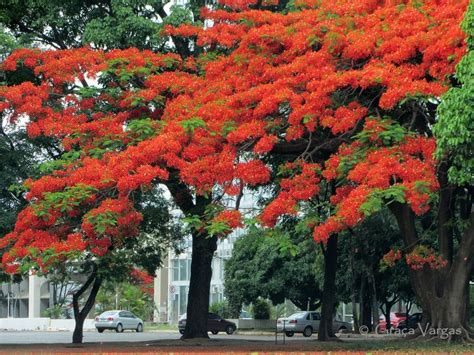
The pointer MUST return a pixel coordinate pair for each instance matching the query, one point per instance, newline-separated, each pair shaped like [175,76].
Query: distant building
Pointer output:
[27,299]
[34,295]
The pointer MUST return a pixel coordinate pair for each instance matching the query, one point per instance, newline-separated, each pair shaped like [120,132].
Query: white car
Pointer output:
[119,321]
[308,323]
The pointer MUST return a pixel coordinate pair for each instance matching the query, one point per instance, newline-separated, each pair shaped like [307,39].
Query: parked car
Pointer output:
[411,322]
[307,322]
[118,320]
[395,318]
[215,324]
[244,315]
[341,326]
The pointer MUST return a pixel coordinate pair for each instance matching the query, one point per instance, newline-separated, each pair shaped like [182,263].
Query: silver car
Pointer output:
[307,322]
[118,320]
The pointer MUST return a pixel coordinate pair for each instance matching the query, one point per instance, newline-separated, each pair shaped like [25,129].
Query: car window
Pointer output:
[297,315]
[108,313]
[213,316]
[128,314]
[308,316]
[315,316]
[122,314]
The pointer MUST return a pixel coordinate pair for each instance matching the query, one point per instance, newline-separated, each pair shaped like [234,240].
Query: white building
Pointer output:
[27,299]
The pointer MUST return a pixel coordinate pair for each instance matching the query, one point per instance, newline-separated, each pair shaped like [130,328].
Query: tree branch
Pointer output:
[76,296]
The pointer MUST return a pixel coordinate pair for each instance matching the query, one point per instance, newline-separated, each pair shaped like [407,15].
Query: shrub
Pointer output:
[55,312]
[221,308]
[261,309]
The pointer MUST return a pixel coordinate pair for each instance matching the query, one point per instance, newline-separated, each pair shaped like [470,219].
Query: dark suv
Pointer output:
[215,324]
[411,322]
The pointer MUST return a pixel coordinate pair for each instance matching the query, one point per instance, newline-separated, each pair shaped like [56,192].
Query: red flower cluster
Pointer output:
[210,120]
[143,280]
[391,257]
[300,186]
[423,256]
[232,218]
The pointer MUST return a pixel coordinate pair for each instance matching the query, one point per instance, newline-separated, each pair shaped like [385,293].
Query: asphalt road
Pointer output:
[64,337]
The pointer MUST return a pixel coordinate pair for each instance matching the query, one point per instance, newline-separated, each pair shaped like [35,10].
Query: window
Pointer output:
[315,316]
[175,267]
[181,269]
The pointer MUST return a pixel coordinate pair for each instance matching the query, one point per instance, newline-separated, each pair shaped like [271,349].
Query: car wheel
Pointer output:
[229,330]
[100,330]
[119,328]
[307,332]
[289,334]
[214,332]
[181,331]
[139,328]
[341,329]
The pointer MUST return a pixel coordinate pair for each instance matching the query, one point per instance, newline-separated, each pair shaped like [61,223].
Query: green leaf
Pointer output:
[191,124]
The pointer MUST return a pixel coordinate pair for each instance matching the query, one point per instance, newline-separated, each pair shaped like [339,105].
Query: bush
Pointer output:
[55,312]
[221,308]
[261,309]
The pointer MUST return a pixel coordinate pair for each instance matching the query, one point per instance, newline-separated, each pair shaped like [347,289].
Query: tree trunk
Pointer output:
[442,293]
[355,316]
[80,315]
[329,292]
[408,306]
[365,304]
[375,308]
[386,313]
[386,308]
[203,250]
[199,286]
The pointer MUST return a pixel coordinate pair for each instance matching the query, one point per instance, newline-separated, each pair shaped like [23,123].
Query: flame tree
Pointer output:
[344,93]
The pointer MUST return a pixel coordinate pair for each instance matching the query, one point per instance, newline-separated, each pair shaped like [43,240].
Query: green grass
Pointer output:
[160,326]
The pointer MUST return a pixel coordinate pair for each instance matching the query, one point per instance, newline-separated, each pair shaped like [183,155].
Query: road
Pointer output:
[64,337]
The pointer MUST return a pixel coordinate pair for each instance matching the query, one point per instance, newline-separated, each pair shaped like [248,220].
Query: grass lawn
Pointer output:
[160,326]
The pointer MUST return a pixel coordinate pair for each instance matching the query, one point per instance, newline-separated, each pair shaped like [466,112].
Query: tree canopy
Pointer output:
[318,75]
[345,93]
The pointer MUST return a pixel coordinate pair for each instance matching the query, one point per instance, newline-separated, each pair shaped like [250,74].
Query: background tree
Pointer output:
[371,280]
[274,264]
[69,24]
